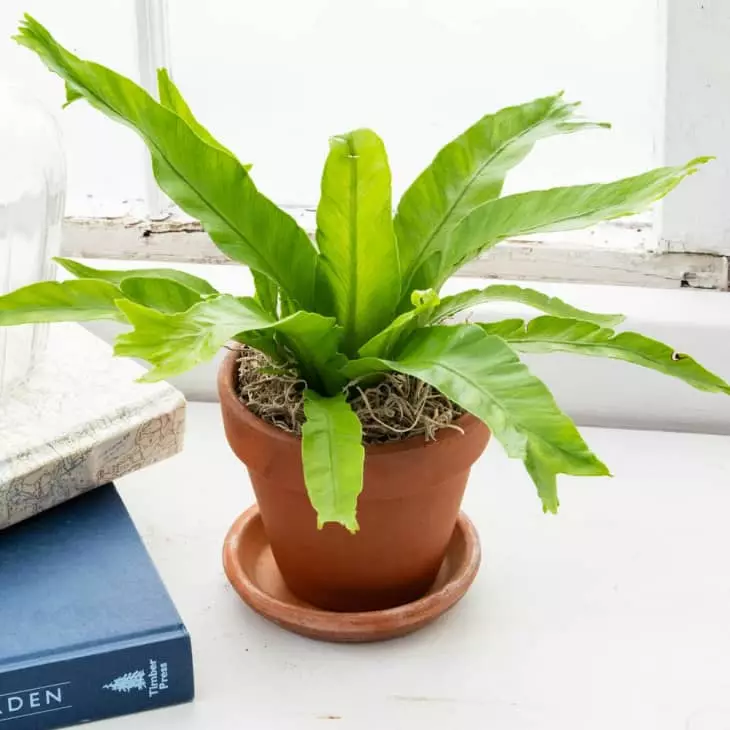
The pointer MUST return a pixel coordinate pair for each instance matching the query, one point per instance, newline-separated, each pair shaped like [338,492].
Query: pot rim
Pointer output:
[226,391]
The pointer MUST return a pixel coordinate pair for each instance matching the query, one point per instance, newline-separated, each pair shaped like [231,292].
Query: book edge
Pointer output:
[84,651]
[176,410]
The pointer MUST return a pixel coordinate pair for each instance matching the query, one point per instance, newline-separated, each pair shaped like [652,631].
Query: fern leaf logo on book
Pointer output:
[129,681]
[153,681]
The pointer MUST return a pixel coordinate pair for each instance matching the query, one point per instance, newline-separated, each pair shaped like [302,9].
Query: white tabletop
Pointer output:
[614,615]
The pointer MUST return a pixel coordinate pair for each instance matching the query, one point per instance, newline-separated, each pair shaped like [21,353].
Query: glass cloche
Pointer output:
[32,191]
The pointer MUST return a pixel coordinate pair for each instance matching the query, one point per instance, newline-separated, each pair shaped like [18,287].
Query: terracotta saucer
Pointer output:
[252,570]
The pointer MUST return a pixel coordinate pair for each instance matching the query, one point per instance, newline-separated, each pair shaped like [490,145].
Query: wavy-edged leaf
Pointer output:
[308,342]
[333,457]
[116,276]
[264,341]
[61,301]
[544,478]
[315,341]
[174,343]
[554,334]
[364,367]
[469,171]
[452,305]
[483,375]
[160,293]
[387,342]
[556,209]
[358,253]
[171,98]
[71,95]
[202,179]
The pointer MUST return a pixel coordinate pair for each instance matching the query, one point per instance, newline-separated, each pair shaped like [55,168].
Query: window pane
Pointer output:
[273,80]
[106,163]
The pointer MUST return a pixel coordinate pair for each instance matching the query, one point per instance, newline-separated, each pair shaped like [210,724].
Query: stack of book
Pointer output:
[87,628]
[79,421]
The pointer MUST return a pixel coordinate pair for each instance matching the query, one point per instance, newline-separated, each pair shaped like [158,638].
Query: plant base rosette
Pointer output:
[406,512]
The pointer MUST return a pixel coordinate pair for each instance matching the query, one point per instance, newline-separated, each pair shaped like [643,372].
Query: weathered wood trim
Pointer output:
[695,88]
[601,261]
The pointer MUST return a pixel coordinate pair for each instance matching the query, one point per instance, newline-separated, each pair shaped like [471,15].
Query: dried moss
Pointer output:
[398,407]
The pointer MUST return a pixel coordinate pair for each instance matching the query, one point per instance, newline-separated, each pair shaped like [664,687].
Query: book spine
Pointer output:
[96,684]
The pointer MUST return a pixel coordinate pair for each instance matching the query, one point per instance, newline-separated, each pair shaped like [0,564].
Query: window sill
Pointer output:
[609,253]
[613,614]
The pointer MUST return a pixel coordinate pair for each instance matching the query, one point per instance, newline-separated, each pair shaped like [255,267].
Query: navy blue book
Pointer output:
[87,629]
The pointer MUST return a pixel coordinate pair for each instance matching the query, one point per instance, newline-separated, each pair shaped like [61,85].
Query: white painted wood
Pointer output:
[696,121]
[589,264]
[106,162]
[612,614]
[153,52]
[607,254]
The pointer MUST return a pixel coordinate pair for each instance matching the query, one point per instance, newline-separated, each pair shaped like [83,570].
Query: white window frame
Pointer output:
[687,245]
[153,52]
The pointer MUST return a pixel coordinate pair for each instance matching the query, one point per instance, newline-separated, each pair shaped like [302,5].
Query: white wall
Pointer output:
[274,79]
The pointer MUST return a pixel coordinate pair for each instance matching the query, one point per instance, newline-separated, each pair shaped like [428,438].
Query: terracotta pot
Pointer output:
[407,510]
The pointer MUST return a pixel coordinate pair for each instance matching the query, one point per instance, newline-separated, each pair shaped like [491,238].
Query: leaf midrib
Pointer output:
[543,304]
[557,221]
[505,410]
[609,345]
[354,255]
[204,199]
[461,195]
[333,464]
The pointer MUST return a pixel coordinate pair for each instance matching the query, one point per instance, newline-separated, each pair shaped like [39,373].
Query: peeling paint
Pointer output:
[623,260]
